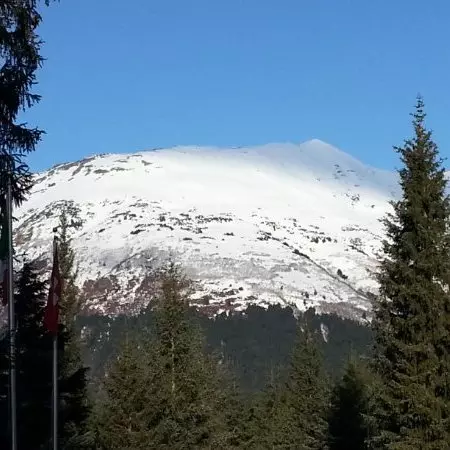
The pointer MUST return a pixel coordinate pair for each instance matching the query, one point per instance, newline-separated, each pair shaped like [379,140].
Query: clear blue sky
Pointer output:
[124,76]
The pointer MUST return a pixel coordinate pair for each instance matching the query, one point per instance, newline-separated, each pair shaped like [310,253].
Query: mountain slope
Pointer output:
[280,223]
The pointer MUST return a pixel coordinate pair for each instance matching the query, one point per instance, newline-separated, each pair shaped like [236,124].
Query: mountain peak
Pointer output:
[315,141]
[295,224]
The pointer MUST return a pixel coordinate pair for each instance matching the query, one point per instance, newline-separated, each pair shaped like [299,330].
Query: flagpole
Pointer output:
[55,392]
[11,319]
[55,376]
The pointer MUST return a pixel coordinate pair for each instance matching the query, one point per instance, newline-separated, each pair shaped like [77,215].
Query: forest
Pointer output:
[251,343]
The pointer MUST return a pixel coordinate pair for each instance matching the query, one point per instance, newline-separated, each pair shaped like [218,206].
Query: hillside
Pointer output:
[281,223]
[253,344]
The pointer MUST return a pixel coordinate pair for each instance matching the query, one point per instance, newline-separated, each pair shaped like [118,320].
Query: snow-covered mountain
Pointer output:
[280,223]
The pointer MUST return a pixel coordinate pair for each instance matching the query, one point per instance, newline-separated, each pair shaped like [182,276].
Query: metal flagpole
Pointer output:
[11,317]
[55,392]
[55,374]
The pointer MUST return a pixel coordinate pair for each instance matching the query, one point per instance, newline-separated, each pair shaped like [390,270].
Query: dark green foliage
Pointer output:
[306,395]
[412,314]
[237,414]
[20,48]
[292,413]
[270,420]
[75,423]
[34,375]
[180,405]
[348,429]
[71,303]
[257,340]
[185,392]
[124,407]
[252,343]
[104,336]
[74,408]
[33,347]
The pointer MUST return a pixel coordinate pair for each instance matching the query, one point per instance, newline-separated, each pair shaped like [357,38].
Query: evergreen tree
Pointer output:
[293,414]
[347,424]
[74,407]
[185,389]
[122,412]
[71,364]
[273,419]
[33,367]
[307,394]
[71,299]
[238,416]
[20,48]
[70,304]
[34,374]
[177,403]
[411,351]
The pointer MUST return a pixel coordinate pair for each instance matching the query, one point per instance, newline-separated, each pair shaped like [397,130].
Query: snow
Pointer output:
[277,220]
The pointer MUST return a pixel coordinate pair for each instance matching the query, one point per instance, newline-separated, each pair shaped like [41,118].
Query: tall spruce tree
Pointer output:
[71,365]
[293,414]
[71,299]
[411,351]
[70,304]
[307,394]
[20,48]
[185,392]
[272,418]
[237,416]
[348,428]
[177,403]
[122,411]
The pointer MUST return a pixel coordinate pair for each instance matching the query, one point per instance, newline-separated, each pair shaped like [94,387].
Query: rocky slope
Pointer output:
[281,223]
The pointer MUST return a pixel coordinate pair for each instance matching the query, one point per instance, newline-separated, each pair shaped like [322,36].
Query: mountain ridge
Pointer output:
[296,224]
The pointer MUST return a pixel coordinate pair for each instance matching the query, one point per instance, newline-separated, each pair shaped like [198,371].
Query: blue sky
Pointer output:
[128,76]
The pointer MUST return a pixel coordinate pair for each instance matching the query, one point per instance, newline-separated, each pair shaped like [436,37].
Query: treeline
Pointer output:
[251,343]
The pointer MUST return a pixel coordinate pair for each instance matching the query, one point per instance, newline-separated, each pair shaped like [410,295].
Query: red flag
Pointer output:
[54,295]
[4,256]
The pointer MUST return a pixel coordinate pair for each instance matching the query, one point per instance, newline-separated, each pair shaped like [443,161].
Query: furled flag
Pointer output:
[51,314]
[4,246]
